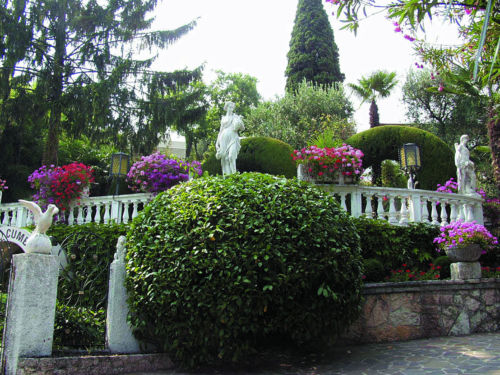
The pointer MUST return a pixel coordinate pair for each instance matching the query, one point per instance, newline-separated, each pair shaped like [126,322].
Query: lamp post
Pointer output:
[409,161]
[119,167]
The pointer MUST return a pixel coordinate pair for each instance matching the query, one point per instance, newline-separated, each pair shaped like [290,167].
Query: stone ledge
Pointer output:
[94,365]
[430,285]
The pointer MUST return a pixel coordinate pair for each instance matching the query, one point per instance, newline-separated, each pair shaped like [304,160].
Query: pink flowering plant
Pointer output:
[329,161]
[462,233]
[157,172]
[3,185]
[60,185]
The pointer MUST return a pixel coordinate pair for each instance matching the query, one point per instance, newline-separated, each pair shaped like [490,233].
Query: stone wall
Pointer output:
[94,365]
[411,310]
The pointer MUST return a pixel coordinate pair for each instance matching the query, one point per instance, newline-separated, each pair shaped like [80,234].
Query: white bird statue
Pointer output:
[43,221]
[39,242]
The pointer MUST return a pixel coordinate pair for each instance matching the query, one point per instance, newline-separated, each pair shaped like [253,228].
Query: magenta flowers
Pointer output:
[3,185]
[461,233]
[329,161]
[157,172]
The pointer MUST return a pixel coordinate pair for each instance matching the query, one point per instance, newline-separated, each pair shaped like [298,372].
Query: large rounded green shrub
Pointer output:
[258,154]
[217,267]
[383,142]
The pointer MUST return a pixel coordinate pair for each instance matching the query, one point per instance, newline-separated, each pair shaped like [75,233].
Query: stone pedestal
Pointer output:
[119,337]
[465,270]
[31,305]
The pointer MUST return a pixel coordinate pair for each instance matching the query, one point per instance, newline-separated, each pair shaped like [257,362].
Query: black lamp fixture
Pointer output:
[409,161]
[120,163]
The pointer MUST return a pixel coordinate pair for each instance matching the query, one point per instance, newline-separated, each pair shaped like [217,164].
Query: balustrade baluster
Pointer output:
[392,210]
[469,212]
[380,207]
[88,217]
[342,200]
[79,217]
[71,216]
[107,208]
[453,211]
[425,210]
[125,211]
[443,213]
[135,212]
[368,208]
[13,219]
[434,213]
[403,220]
[97,217]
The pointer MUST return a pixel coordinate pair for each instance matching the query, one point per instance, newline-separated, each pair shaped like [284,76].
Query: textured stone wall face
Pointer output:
[94,365]
[404,311]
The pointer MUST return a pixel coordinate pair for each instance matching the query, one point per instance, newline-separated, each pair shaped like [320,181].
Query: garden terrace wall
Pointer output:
[422,309]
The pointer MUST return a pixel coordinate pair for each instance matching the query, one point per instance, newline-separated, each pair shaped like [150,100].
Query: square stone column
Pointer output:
[31,305]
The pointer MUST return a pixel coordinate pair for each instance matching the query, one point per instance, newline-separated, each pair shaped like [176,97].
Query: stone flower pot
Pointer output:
[464,253]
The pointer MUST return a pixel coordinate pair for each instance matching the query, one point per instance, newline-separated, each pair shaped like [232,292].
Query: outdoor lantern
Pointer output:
[119,167]
[119,164]
[409,160]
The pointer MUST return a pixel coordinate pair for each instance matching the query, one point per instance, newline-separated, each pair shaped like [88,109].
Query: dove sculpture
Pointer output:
[39,242]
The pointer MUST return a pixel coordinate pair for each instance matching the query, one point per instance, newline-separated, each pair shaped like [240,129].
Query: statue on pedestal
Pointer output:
[39,242]
[228,140]
[466,176]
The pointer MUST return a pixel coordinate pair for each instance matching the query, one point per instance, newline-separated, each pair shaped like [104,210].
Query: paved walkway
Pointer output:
[470,355]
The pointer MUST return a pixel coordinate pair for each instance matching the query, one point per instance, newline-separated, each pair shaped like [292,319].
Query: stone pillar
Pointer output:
[31,305]
[119,337]
[465,270]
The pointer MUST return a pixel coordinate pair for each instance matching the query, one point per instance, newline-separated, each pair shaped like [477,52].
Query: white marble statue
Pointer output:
[228,140]
[466,177]
[39,242]
[120,249]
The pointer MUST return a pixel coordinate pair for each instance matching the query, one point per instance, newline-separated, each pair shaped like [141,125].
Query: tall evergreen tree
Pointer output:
[79,57]
[313,54]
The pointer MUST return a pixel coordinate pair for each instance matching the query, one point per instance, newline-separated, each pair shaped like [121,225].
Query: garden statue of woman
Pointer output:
[228,140]
[466,176]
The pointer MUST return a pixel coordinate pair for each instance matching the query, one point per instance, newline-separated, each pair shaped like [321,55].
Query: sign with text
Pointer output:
[15,235]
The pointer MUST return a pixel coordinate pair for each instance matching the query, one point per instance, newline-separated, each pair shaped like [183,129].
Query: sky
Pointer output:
[252,37]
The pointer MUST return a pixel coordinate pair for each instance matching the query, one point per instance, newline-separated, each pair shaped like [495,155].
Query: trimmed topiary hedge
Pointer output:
[383,142]
[219,267]
[258,154]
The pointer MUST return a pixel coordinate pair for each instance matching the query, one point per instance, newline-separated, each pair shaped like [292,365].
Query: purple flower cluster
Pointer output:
[459,232]
[450,186]
[157,172]
[3,185]
[40,180]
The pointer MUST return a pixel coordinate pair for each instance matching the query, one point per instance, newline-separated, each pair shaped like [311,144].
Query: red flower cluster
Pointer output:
[407,274]
[68,182]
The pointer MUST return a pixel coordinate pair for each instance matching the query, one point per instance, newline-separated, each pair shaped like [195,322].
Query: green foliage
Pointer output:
[373,270]
[394,245]
[392,175]
[89,250]
[297,118]
[383,143]
[444,262]
[79,327]
[217,267]
[73,61]
[446,115]
[258,154]
[331,132]
[313,54]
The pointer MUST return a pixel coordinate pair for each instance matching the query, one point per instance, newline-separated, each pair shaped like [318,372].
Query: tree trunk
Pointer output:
[494,137]
[56,91]
[374,118]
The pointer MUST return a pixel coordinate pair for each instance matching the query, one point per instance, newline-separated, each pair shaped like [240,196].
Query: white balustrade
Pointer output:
[397,206]
[401,206]
[118,208]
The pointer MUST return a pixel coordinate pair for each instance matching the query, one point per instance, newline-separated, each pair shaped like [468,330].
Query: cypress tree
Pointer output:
[313,54]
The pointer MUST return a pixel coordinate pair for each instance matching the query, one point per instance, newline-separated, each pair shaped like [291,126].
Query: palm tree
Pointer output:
[378,85]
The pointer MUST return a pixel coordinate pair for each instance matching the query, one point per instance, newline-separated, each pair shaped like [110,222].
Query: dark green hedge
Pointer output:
[217,267]
[258,154]
[383,142]
[394,245]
